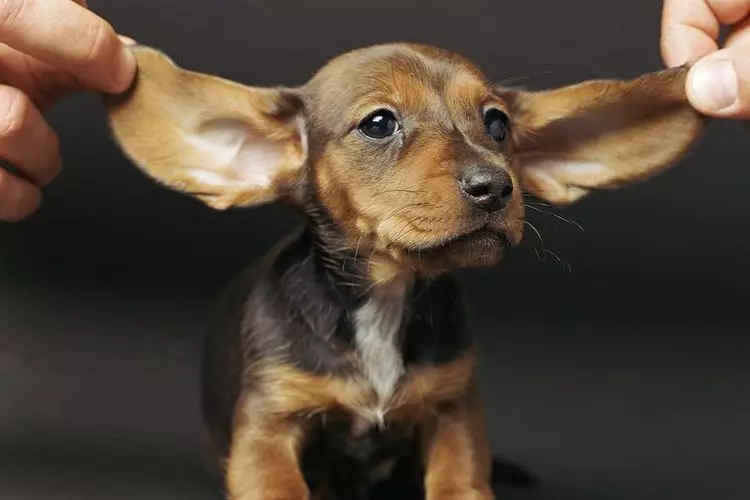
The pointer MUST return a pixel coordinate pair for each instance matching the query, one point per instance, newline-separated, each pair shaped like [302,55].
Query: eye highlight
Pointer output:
[381,124]
[496,124]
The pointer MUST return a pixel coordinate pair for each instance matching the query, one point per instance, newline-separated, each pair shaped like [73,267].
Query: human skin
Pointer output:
[48,49]
[718,84]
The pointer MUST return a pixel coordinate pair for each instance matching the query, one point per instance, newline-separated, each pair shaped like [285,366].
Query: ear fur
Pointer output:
[600,134]
[224,143]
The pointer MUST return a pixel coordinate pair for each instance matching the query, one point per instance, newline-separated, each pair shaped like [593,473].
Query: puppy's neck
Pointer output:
[361,271]
[380,309]
[329,317]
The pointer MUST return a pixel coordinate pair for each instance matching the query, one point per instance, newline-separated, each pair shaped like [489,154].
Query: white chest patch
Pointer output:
[378,334]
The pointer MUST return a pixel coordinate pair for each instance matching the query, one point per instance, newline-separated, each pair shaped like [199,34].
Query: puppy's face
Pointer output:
[417,157]
[410,150]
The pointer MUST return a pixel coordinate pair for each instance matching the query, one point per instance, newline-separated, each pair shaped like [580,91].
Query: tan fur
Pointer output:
[566,142]
[167,103]
[231,145]
[270,427]
[423,391]
[456,453]
[651,128]
[263,462]
[286,391]
[457,456]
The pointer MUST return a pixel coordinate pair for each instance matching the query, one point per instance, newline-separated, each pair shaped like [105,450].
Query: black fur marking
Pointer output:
[296,307]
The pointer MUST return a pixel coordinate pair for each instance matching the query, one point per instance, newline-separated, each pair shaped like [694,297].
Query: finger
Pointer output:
[127,41]
[740,34]
[26,140]
[719,84]
[690,28]
[728,12]
[68,36]
[18,197]
[689,31]
[42,83]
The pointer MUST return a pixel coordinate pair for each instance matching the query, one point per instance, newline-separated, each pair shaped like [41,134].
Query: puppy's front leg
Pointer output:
[264,464]
[457,455]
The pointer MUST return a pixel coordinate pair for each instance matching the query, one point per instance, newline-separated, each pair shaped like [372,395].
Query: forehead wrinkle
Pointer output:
[407,79]
[465,94]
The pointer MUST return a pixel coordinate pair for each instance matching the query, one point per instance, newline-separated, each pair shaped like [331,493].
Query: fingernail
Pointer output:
[126,40]
[124,69]
[714,84]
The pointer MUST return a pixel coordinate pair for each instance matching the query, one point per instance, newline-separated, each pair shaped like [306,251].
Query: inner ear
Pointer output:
[222,142]
[600,134]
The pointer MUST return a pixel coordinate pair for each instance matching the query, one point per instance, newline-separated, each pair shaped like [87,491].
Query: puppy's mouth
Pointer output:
[455,244]
[481,246]
[477,238]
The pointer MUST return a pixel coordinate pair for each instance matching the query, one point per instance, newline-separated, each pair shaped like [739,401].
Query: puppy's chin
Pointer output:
[478,249]
[482,248]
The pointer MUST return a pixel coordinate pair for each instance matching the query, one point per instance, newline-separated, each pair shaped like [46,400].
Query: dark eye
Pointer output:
[496,124]
[379,125]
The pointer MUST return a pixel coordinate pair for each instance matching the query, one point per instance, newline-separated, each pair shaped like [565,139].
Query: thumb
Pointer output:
[719,84]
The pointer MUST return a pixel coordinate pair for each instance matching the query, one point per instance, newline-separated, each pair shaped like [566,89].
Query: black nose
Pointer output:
[489,188]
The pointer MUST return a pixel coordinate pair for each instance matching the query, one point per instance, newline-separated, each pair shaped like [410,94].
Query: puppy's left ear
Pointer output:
[600,134]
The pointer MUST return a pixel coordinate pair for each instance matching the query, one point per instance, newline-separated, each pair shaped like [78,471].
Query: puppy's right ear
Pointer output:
[227,144]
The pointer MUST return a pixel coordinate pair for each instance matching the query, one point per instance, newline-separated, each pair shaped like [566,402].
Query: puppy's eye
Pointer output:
[496,124]
[379,125]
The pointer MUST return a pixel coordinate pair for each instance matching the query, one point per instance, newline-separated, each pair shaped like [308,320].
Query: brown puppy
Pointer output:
[346,362]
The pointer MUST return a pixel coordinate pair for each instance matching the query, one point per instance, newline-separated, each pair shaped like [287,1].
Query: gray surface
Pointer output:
[107,408]
[625,379]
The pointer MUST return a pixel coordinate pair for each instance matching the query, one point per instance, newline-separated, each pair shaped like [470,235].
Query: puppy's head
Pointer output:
[418,159]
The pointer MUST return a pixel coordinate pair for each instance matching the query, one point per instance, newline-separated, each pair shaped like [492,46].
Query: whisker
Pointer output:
[560,217]
[535,200]
[409,227]
[356,253]
[359,241]
[411,191]
[562,261]
[538,234]
[405,207]
[517,78]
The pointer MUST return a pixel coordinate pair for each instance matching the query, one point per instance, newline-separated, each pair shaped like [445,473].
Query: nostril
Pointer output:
[506,191]
[479,189]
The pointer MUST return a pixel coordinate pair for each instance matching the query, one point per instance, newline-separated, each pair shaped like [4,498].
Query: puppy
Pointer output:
[345,363]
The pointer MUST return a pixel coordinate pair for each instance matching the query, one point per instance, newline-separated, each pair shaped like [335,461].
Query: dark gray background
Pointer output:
[626,378]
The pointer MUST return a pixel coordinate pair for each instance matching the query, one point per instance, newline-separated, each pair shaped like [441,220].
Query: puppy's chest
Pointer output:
[391,359]
[406,357]
[379,326]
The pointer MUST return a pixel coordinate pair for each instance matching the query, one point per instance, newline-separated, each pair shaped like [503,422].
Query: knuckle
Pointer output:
[100,41]
[14,108]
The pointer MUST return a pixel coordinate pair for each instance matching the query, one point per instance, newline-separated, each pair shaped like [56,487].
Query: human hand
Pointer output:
[48,48]
[719,82]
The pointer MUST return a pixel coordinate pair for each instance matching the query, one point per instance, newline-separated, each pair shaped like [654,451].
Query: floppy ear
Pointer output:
[222,142]
[600,134]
